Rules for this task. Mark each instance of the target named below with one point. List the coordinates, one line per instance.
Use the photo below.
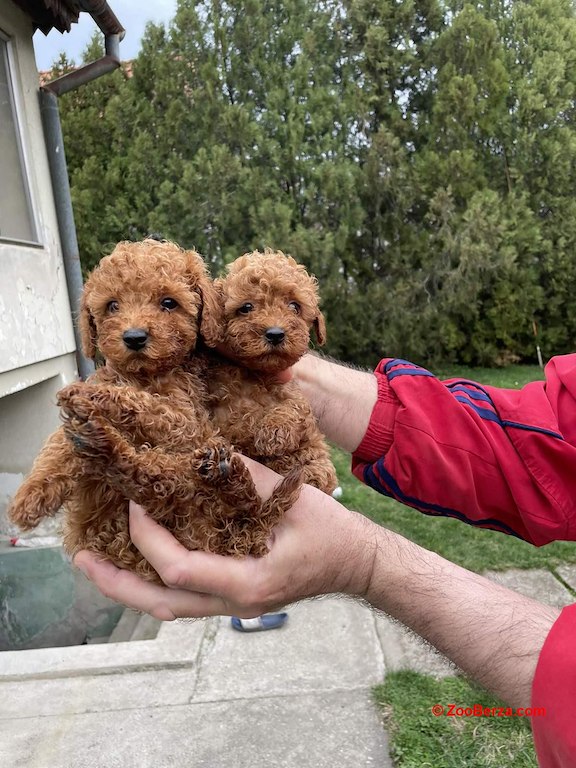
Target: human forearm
(342, 398)
(492, 633)
(495, 635)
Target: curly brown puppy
(269, 304)
(139, 427)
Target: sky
(128, 12)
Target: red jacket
(494, 458)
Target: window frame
(18, 112)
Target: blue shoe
(260, 623)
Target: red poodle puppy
(140, 428)
(268, 304)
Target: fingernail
(136, 508)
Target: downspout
(49, 93)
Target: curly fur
(140, 428)
(269, 422)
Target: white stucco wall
(34, 309)
(36, 334)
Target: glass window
(16, 221)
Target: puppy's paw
(29, 508)
(214, 463)
(77, 402)
(93, 439)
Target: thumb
(283, 377)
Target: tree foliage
(416, 155)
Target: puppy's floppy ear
(87, 327)
(320, 328)
(211, 320)
(212, 323)
(319, 323)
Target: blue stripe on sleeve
(379, 478)
(397, 361)
(529, 428)
(484, 413)
(409, 372)
(475, 394)
(487, 415)
(469, 391)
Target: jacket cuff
(380, 432)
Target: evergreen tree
(541, 40)
(93, 139)
(416, 155)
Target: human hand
(342, 398)
(283, 377)
(320, 547)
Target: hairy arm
(493, 634)
(342, 398)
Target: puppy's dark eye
(245, 309)
(295, 307)
(112, 306)
(169, 304)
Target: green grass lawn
(512, 377)
(417, 738)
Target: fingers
(201, 583)
(157, 544)
(129, 589)
(283, 377)
(197, 583)
(180, 568)
(265, 479)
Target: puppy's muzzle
(275, 336)
(135, 339)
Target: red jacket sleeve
(554, 695)
(494, 458)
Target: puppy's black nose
(275, 336)
(135, 338)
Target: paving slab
(177, 645)
(538, 584)
(315, 731)
(568, 573)
(118, 692)
(203, 695)
(326, 644)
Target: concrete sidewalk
(202, 694)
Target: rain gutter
(49, 93)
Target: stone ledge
(177, 645)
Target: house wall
(36, 334)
